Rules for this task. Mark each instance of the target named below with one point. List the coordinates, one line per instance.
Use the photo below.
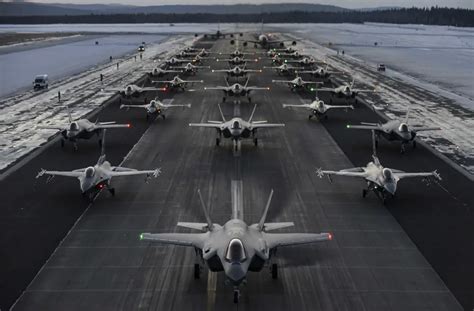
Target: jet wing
(351, 172)
(282, 81)
(260, 124)
(325, 89)
(296, 106)
(75, 173)
(183, 239)
(339, 107)
(222, 88)
(401, 175)
(213, 125)
(257, 88)
(149, 88)
(133, 106)
(123, 171)
(427, 128)
(364, 127)
(108, 125)
(287, 239)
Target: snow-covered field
(63, 59)
(21, 114)
(441, 55)
(125, 28)
(398, 93)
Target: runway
(381, 258)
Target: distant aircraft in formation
(297, 83)
(93, 179)
(176, 83)
(317, 108)
(81, 129)
(237, 89)
(237, 128)
(395, 130)
(156, 107)
(237, 71)
(381, 180)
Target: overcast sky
(344, 3)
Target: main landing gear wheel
(310, 116)
(75, 147)
(414, 144)
(62, 143)
(197, 271)
(236, 295)
(364, 193)
(112, 191)
(218, 141)
(255, 142)
(326, 117)
(163, 116)
(376, 144)
(223, 99)
(274, 271)
(100, 143)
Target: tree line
(428, 16)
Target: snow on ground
(21, 115)
(440, 55)
(62, 58)
(125, 28)
(397, 94)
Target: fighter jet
(265, 42)
(237, 128)
(156, 107)
(293, 54)
(346, 91)
(177, 61)
(133, 90)
(395, 130)
(288, 50)
(82, 129)
(237, 89)
(94, 178)
(199, 59)
(160, 72)
(237, 53)
(236, 247)
(297, 83)
(381, 180)
(236, 71)
(276, 60)
(320, 72)
(238, 60)
(305, 61)
(282, 69)
(190, 68)
(219, 34)
(177, 83)
(318, 108)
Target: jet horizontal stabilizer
(194, 225)
(269, 226)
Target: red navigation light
(129, 125)
(329, 236)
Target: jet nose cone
(235, 272)
(391, 188)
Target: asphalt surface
(375, 262)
